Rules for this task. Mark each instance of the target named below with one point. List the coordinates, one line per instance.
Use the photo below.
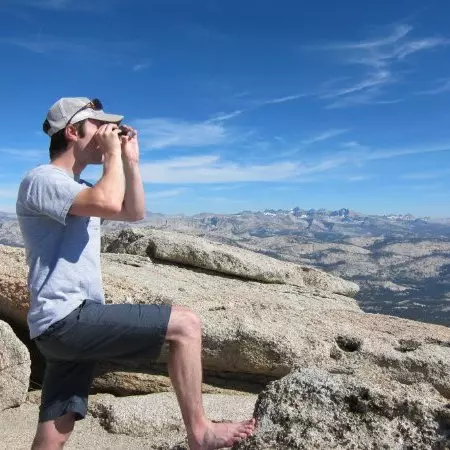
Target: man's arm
(133, 206)
(106, 197)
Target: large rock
(14, 296)
(198, 252)
(113, 379)
(14, 368)
(265, 330)
(137, 423)
(158, 415)
(311, 408)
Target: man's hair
(58, 142)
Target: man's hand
(130, 146)
(107, 138)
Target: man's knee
(183, 324)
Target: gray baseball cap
(74, 109)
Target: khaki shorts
(94, 332)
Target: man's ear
(71, 133)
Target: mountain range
(401, 262)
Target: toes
(242, 434)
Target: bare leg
(53, 434)
(185, 370)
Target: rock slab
(198, 252)
(158, 416)
(311, 408)
(15, 368)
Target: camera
(122, 131)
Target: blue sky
(244, 105)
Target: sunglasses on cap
(94, 104)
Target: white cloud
(426, 175)
(141, 66)
(62, 5)
(221, 117)
(443, 86)
(45, 4)
(357, 154)
(324, 136)
(386, 154)
(27, 154)
(166, 194)
(229, 187)
(287, 98)
(255, 104)
(79, 48)
(379, 78)
(368, 97)
(399, 32)
(192, 161)
(380, 55)
(358, 178)
(209, 169)
(47, 44)
(53, 4)
(416, 46)
(160, 133)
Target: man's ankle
(196, 429)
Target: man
(59, 215)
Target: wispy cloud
(210, 169)
(380, 55)
(430, 175)
(229, 187)
(368, 97)
(160, 133)
(167, 193)
(46, 44)
(324, 136)
(287, 98)
(26, 154)
(221, 117)
(381, 52)
(256, 104)
(46, 4)
(443, 86)
(358, 178)
(61, 5)
(398, 33)
(360, 152)
(141, 66)
(379, 78)
(77, 49)
(393, 153)
(359, 155)
(429, 187)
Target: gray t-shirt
(63, 251)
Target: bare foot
(220, 435)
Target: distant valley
(401, 263)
